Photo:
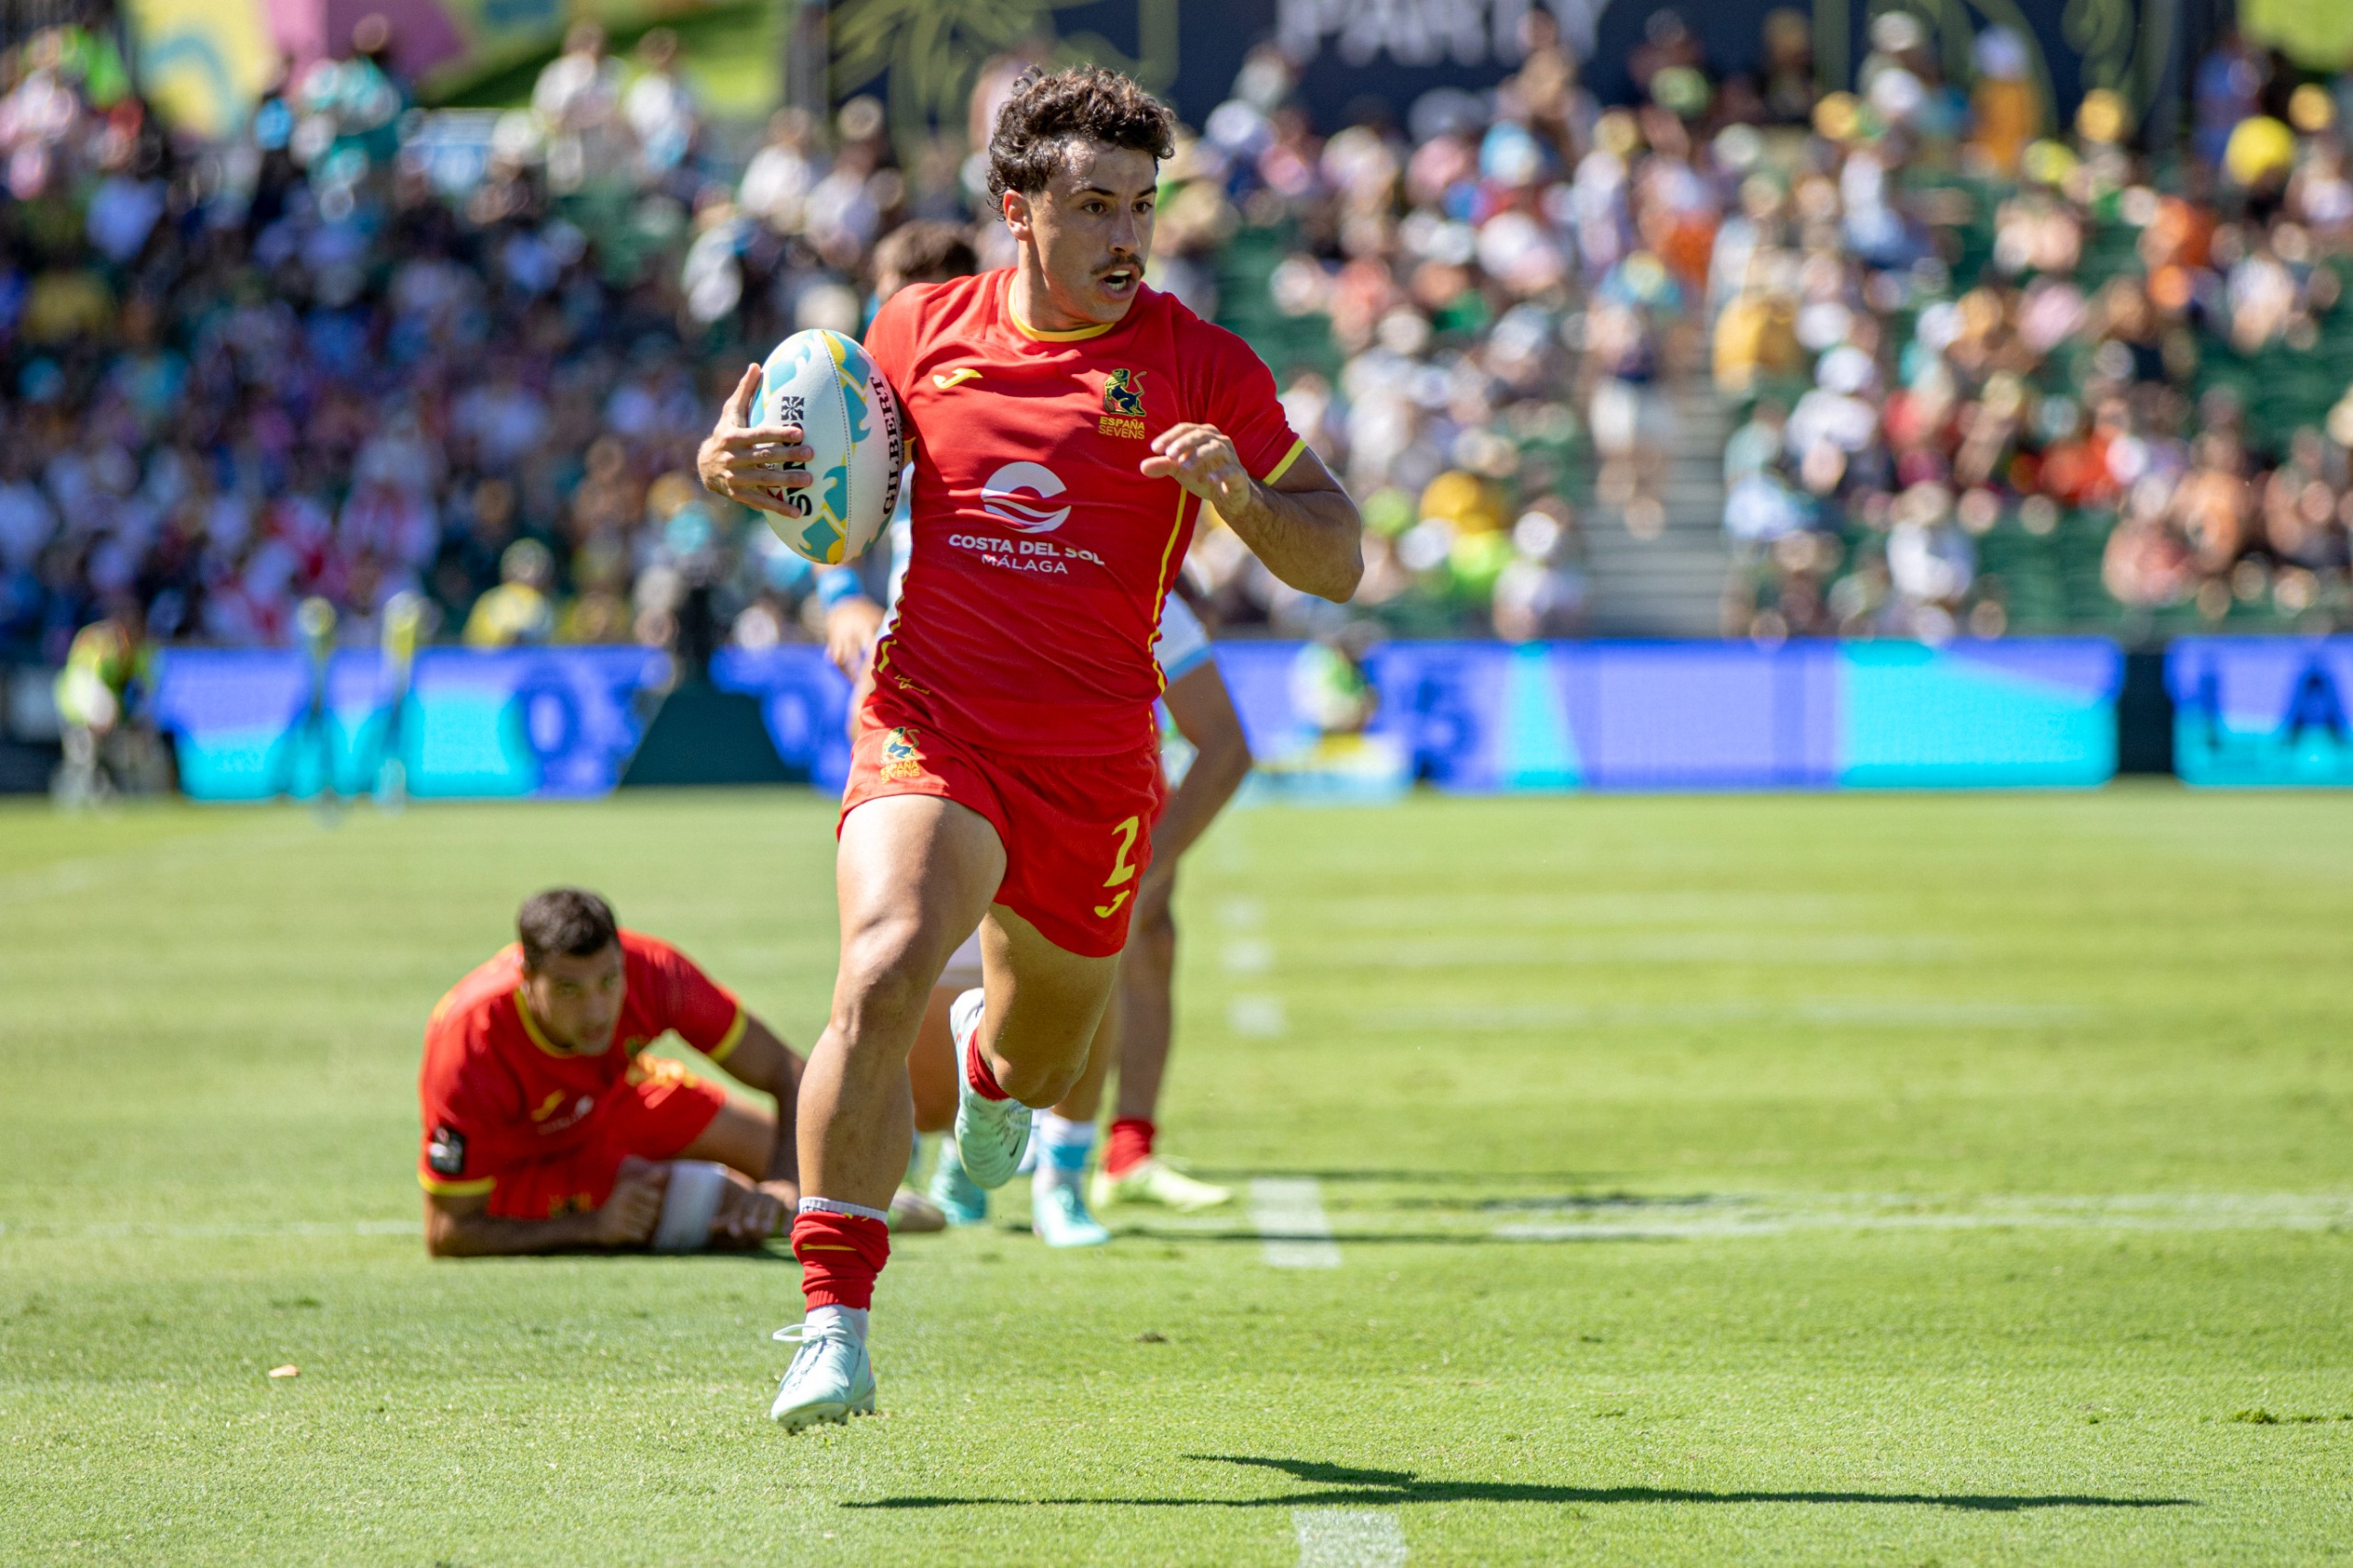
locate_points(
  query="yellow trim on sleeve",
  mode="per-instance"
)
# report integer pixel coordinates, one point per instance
(1289, 457)
(730, 1039)
(440, 1188)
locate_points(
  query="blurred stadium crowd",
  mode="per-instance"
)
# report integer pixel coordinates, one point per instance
(1987, 374)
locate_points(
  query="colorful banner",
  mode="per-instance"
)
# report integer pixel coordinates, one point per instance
(1482, 717)
(2261, 710)
(804, 701)
(1470, 717)
(548, 722)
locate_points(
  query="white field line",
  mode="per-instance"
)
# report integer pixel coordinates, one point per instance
(1260, 1016)
(1348, 1538)
(1861, 1011)
(1781, 1215)
(1288, 1213)
(44, 1230)
(1249, 956)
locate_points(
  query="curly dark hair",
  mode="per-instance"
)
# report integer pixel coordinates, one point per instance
(1085, 103)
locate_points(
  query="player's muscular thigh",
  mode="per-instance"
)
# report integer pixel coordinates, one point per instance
(914, 873)
(1044, 1005)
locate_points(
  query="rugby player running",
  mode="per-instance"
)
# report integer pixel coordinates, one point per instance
(1067, 423)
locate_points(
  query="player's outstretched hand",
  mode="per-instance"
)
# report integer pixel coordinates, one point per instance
(630, 1215)
(752, 464)
(1199, 457)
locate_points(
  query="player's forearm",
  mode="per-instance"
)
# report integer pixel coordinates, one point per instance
(1311, 539)
(763, 1062)
(486, 1236)
(784, 1155)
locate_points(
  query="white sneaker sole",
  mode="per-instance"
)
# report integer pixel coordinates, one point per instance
(830, 1410)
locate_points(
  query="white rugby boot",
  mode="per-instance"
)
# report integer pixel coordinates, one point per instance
(831, 1378)
(991, 1135)
(1150, 1180)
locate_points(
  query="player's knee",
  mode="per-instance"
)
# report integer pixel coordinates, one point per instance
(885, 982)
(1040, 1086)
(440, 1233)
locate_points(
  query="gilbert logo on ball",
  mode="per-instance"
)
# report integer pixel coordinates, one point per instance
(824, 384)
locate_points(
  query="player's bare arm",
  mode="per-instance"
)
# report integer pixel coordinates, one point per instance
(1302, 526)
(460, 1224)
(748, 463)
(852, 627)
(1204, 712)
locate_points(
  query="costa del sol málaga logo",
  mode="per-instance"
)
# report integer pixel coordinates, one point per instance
(1017, 494)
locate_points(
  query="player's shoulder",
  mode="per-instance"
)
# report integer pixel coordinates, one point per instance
(640, 950)
(1197, 342)
(473, 999)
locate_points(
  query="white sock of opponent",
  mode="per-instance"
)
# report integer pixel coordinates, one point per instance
(850, 1318)
(1063, 1147)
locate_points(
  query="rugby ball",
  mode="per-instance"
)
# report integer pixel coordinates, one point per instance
(824, 384)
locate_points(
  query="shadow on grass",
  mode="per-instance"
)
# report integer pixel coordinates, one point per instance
(1346, 1486)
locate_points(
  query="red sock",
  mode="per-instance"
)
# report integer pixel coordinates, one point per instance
(840, 1255)
(977, 1074)
(1131, 1144)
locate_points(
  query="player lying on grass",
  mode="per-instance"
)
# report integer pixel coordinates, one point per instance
(1067, 424)
(546, 1128)
(1136, 1029)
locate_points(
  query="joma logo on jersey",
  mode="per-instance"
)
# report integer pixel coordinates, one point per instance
(900, 760)
(1122, 405)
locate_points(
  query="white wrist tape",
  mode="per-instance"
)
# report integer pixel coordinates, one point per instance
(687, 1204)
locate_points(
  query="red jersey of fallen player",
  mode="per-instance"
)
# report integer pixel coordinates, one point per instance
(497, 1095)
(1041, 555)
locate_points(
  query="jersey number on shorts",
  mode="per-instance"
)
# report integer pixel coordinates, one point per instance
(1120, 870)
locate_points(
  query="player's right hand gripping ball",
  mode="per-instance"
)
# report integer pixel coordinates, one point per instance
(824, 384)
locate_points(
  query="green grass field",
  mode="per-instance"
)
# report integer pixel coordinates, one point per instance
(1885, 1180)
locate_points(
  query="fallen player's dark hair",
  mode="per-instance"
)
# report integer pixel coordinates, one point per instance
(926, 250)
(1049, 111)
(564, 922)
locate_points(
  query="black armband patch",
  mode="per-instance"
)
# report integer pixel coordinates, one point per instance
(447, 1152)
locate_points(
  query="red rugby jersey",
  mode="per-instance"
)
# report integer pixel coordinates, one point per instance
(1040, 554)
(494, 1094)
